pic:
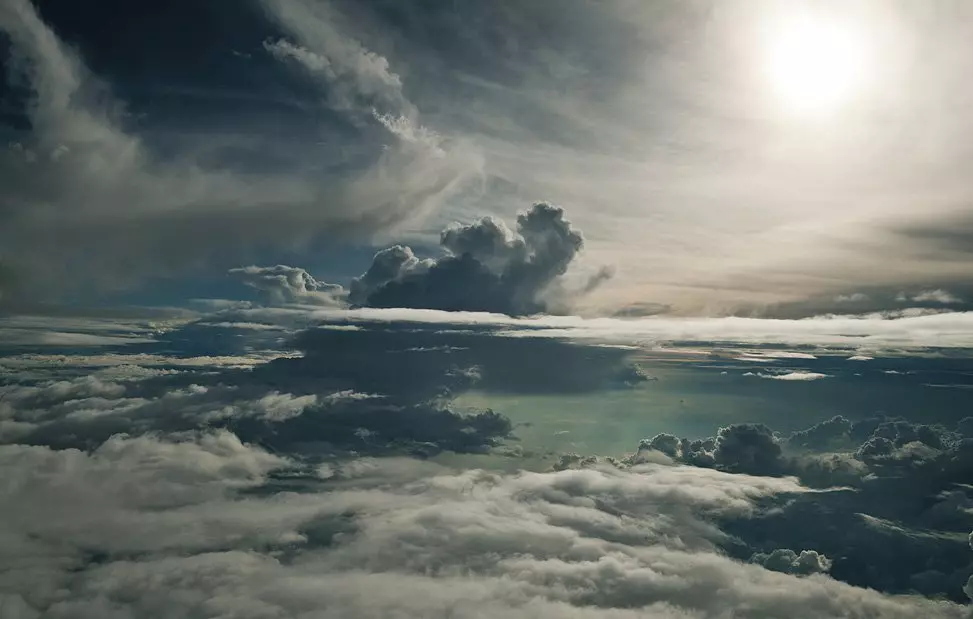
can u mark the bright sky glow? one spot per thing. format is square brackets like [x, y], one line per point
[814, 66]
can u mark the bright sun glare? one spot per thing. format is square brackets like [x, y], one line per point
[814, 66]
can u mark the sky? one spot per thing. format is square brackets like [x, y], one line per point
[559, 308]
[160, 146]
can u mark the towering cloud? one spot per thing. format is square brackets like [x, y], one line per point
[487, 267]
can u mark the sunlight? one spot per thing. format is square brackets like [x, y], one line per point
[814, 66]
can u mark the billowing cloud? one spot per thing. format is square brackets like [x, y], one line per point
[487, 268]
[102, 204]
[152, 527]
[286, 284]
[280, 471]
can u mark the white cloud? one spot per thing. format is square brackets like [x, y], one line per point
[795, 376]
[358, 79]
[948, 330]
[286, 284]
[177, 536]
[856, 297]
[939, 295]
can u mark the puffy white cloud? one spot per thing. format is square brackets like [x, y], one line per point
[149, 528]
[286, 284]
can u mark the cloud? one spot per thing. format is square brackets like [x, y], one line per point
[748, 448]
[896, 497]
[794, 376]
[240, 484]
[855, 297]
[110, 209]
[153, 528]
[789, 562]
[937, 296]
[285, 284]
[487, 267]
[821, 435]
[358, 78]
[942, 330]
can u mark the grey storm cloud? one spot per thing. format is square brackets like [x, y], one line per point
[488, 267]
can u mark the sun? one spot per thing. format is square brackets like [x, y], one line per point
[814, 66]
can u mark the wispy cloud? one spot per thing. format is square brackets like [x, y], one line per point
[937, 296]
[96, 204]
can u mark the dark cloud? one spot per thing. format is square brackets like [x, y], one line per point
[343, 386]
[821, 435]
[737, 448]
[98, 196]
[965, 427]
[894, 515]
[748, 448]
[487, 267]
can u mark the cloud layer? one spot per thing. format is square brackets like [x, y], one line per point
[267, 476]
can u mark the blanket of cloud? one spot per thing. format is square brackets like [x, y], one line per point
[308, 461]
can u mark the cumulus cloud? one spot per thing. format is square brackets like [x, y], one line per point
[896, 498]
[487, 267]
[750, 448]
[286, 284]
